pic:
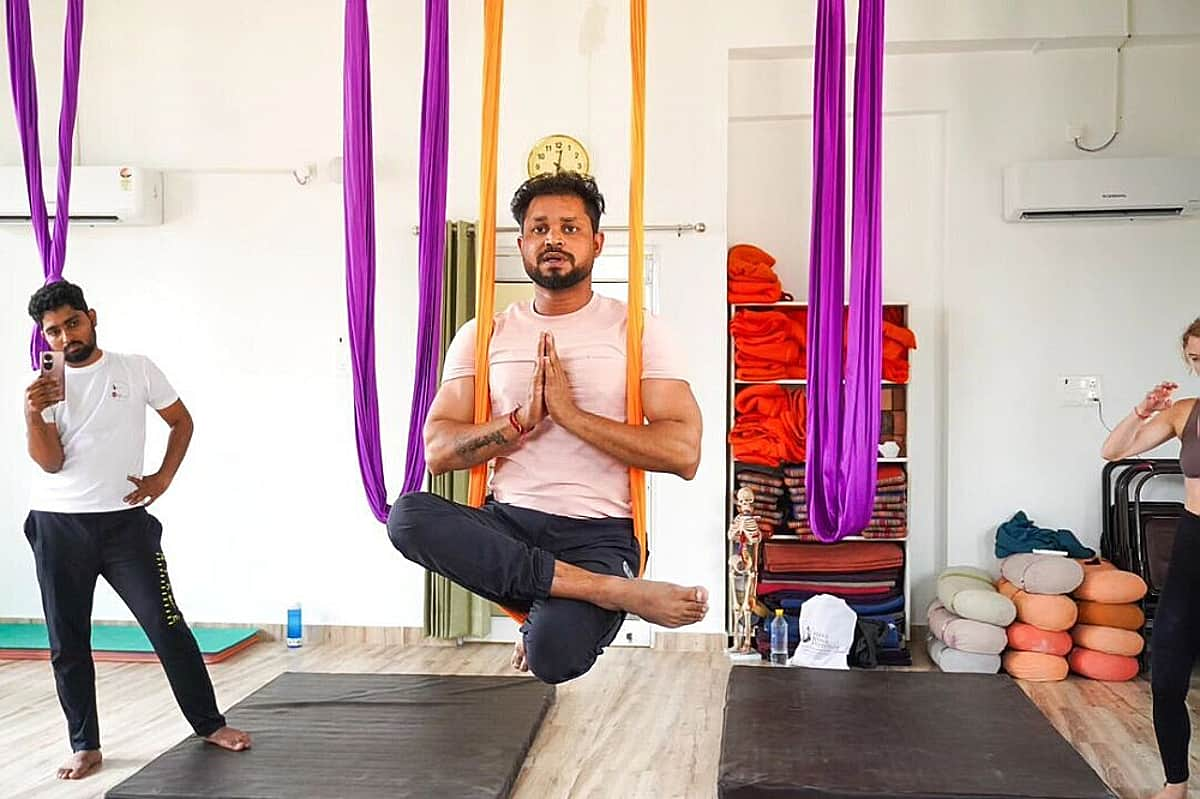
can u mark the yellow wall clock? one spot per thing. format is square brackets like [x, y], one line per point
[558, 153]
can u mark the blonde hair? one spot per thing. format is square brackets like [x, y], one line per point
[1193, 331]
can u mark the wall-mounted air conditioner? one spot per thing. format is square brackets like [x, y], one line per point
[100, 195]
[1102, 188]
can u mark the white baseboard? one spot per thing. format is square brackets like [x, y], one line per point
[634, 632]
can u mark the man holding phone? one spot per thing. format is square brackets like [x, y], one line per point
[86, 428]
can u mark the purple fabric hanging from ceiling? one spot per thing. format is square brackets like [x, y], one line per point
[359, 199]
[435, 116]
[359, 193]
[843, 417]
[24, 90]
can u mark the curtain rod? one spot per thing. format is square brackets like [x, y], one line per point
[678, 230]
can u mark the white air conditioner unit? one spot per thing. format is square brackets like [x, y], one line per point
[100, 195]
[1102, 188]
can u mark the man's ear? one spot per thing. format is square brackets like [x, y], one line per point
[92, 315]
[598, 241]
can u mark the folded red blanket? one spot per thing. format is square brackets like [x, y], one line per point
[803, 532]
[844, 557]
[769, 587]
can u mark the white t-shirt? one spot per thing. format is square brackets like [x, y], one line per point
[102, 427]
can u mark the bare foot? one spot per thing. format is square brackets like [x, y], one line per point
[518, 656]
[665, 604]
[80, 765]
[1177, 791]
[231, 739]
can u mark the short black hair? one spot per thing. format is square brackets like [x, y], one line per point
[558, 184]
[56, 295]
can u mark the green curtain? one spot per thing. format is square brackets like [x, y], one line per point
[452, 611]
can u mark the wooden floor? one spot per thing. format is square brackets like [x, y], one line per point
[642, 723]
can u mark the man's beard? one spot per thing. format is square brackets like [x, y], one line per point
[81, 352]
[558, 279]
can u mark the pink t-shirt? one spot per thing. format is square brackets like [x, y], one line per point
[555, 471]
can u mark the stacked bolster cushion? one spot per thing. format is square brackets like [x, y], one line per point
[967, 621]
[1053, 612]
[957, 661]
[1107, 638]
[968, 592]
[1038, 641]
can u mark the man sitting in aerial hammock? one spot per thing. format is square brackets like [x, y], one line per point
[555, 538]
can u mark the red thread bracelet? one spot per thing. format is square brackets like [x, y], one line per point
[512, 419]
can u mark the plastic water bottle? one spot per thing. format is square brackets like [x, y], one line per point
[295, 630]
[779, 642]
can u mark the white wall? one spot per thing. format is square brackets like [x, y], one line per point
[269, 506]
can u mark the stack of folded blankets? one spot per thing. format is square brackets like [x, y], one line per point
[889, 519]
[967, 622]
[869, 576]
[897, 341]
[769, 501]
[1107, 636]
[1040, 587]
[769, 345]
[768, 427]
[752, 275]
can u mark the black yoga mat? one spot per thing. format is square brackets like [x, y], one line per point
[815, 734]
[360, 736]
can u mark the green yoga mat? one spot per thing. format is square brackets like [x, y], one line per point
[128, 639]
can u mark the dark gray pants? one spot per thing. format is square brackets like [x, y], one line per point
[1174, 648]
[506, 554]
[71, 550]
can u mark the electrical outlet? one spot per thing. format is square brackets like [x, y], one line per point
[1076, 390]
[1075, 132]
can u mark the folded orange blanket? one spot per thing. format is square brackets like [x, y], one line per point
[769, 425]
[769, 345]
[752, 275]
[767, 400]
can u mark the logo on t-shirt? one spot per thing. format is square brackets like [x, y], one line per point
[118, 390]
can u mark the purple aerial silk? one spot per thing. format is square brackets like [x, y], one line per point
[843, 418]
[359, 201]
[24, 90]
[435, 122]
[359, 193]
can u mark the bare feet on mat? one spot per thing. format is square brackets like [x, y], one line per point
[518, 656]
[1177, 791]
[665, 604]
[231, 739]
[80, 765]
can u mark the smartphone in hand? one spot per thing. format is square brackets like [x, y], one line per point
[54, 367]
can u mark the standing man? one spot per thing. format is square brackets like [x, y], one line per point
[88, 518]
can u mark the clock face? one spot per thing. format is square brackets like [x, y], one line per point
[558, 153]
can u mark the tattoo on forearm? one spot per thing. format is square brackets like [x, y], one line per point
[471, 445]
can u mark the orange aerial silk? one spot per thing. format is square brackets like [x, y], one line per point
[493, 26]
